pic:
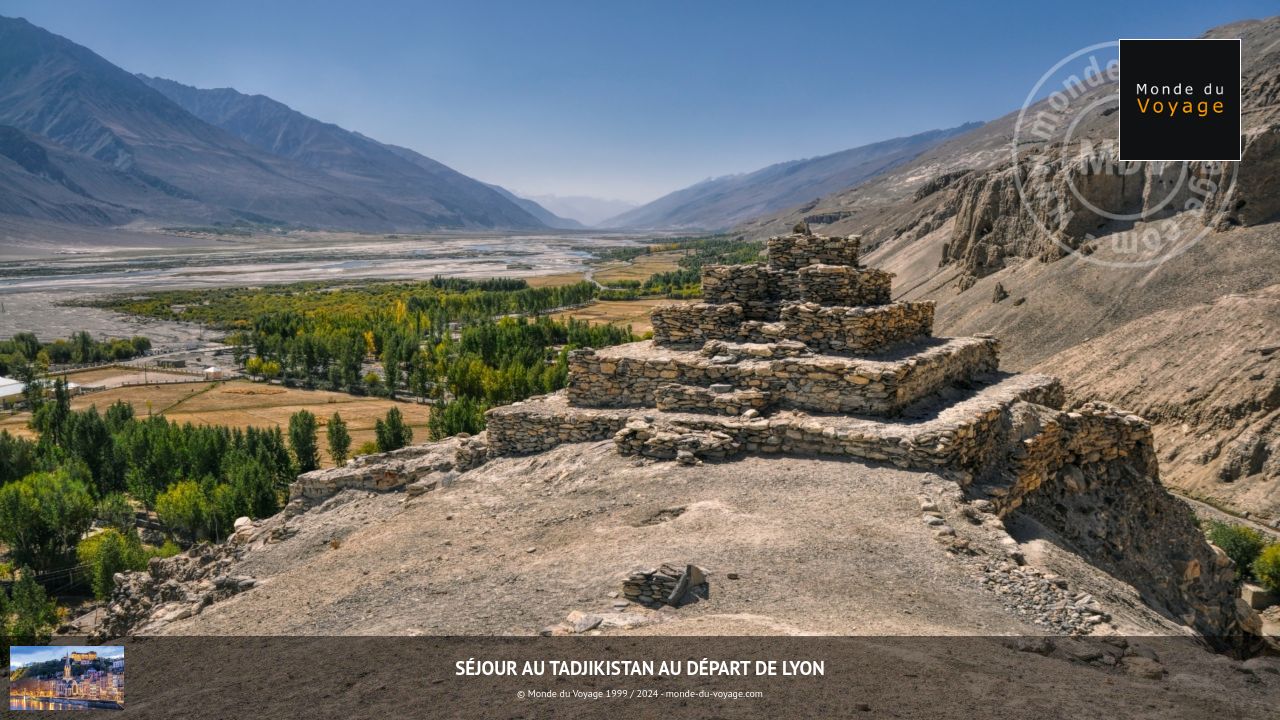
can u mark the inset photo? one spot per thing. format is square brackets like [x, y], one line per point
[66, 677]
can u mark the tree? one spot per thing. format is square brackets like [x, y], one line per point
[42, 517]
[184, 509]
[35, 615]
[462, 414]
[1241, 544]
[302, 440]
[17, 457]
[114, 510]
[1266, 568]
[339, 439]
[392, 433]
[108, 553]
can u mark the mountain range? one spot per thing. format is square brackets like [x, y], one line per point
[723, 202]
[84, 142]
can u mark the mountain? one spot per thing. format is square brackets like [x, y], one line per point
[1188, 342]
[367, 165]
[544, 215]
[590, 211]
[103, 147]
[722, 202]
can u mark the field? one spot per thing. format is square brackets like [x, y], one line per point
[639, 268]
[619, 312]
[240, 403]
[116, 376]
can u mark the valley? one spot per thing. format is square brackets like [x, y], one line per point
[264, 375]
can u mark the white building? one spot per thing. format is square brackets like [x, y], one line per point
[10, 391]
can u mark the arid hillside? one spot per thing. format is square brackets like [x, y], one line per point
[1207, 375]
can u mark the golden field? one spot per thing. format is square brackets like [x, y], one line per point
[240, 403]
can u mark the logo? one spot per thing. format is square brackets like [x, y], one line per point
[1180, 100]
[1116, 212]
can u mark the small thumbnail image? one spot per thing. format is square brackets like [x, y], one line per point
[66, 677]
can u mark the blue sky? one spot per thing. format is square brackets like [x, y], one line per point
[20, 655]
[619, 99]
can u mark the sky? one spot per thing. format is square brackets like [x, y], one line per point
[20, 655]
[626, 100]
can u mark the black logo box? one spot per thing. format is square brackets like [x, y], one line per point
[1189, 64]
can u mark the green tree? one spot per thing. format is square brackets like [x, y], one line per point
[339, 439]
[1241, 544]
[392, 433]
[108, 553]
[42, 517]
[114, 510]
[460, 415]
[1266, 568]
[302, 440]
[34, 614]
[184, 509]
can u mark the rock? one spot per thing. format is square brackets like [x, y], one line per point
[1143, 667]
[581, 622]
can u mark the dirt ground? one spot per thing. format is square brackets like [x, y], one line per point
[814, 546]
[240, 403]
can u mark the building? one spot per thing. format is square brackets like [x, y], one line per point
[84, 658]
[213, 372]
[10, 392]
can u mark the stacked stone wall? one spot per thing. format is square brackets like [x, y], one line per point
[792, 252]
[847, 330]
[530, 427]
[674, 397]
[819, 384]
[695, 323]
[844, 285]
[760, 290]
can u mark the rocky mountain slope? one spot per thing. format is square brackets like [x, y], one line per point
[128, 152]
[952, 226]
[370, 167]
[726, 201]
[1208, 375]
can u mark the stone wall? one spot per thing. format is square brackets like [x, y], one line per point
[792, 252]
[695, 323]
[535, 425]
[970, 438]
[820, 384]
[721, 400]
[844, 285]
[379, 473]
[1090, 475]
[840, 330]
[759, 289]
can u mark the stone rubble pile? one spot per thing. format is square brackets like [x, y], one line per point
[666, 585]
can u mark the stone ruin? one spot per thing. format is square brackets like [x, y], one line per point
[806, 354]
[809, 355]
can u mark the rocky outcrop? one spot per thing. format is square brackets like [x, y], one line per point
[1091, 476]
[178, 587]
[380, 473]
[1062, 200]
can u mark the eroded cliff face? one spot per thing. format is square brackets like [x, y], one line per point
[1044, 208]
